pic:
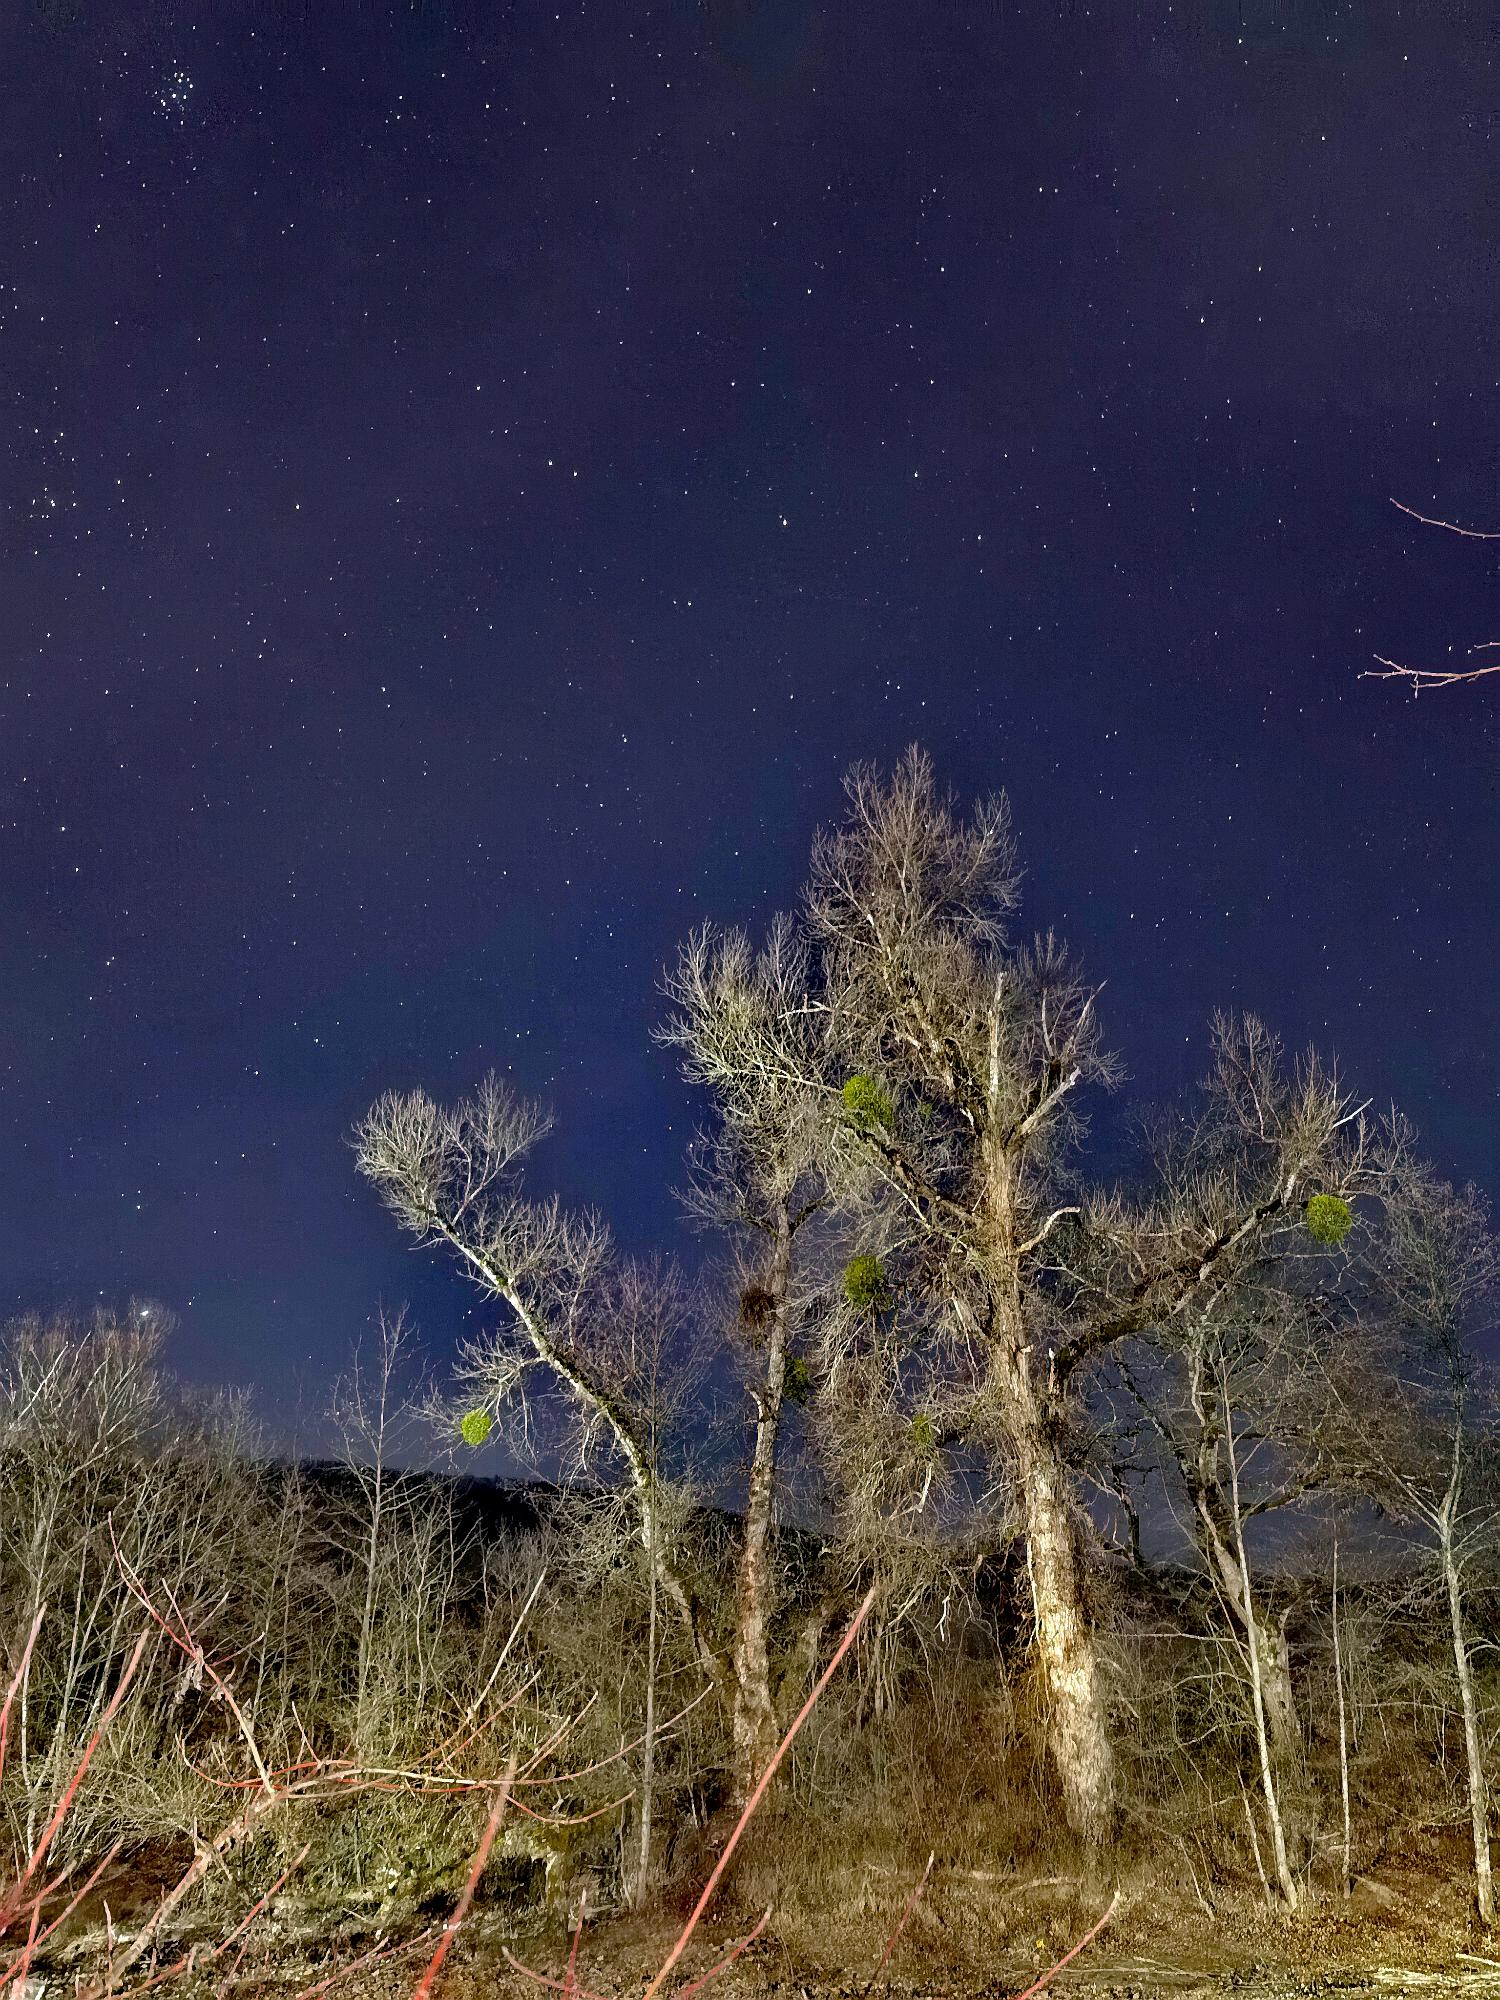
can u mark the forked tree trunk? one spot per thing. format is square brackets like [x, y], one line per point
[755, 1730]
[1222, 1546]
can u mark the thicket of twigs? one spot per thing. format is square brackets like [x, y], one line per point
[241, 1691]
[1172, 1499]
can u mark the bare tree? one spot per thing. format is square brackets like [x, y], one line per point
[1428, 1422]
[738, 1016]
[900, 1066]
[1284, 1878]
[368, 1408]
[1268, 1352]
[450, 1177]
[652, 1317]
[1182, 1395]
[101, 1451]
[964, 1056]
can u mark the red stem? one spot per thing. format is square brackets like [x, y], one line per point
[424, 1986]
[756, 1796]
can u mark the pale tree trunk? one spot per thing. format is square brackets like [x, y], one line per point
[1223, 1549]
[1066, 1657]
[1219, 1521]
[1282, 1724]
[1065, 1652]
[1338, 1678]
[1284, 1878]
[1479, 1805]
[641, 1886]
[755, 1731]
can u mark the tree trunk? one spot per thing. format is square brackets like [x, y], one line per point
[1066, 1656]
[1283, 1725]
[1077, 1740]
[1479, 1807]
[1347, 1874]
[1222, 1546]
[1284, 1877]
[755, 1731]
[640, 1888]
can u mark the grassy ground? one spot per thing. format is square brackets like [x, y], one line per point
[994, 1938]
[1407, 1932]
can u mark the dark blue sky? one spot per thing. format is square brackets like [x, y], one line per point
[476, 474]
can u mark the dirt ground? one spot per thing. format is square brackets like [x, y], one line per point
[969, 1934]
[987, 1940]
[992, 1939]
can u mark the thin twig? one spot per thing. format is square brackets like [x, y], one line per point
[1429, 521]
[895, 1936]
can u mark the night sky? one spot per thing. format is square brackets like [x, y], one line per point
[477, 473]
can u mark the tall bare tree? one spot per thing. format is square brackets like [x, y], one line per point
[367, 1409]
[739, 1018]
[1431, 1431]
[1271, 1349]
[964, 1057]
[450, 1176]
[1181, 1392]
[904, 1060]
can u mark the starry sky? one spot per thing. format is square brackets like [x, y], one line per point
[479, 470]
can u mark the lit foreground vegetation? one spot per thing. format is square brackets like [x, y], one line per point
[1144, 1531]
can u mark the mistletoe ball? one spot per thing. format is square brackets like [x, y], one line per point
[865, 1285]
[1329, 1218]
[867, 1104]
[475, 1426]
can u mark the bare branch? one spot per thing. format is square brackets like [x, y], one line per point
[1428, 521]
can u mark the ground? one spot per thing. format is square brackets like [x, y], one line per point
[993, 1939]
[968, 1935]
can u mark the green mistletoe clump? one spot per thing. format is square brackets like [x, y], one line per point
[797, 1384]
[924, 1435]
[475, 1426]
[865, 1285]
[1329, 1218]
[868, 1106]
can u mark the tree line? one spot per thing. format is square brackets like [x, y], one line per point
[1175, 1488]
[1276, 1316]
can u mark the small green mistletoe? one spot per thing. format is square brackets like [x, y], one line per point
[865, 1285]
[1329, 1218]
[475, 1426]
[868, 1106]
